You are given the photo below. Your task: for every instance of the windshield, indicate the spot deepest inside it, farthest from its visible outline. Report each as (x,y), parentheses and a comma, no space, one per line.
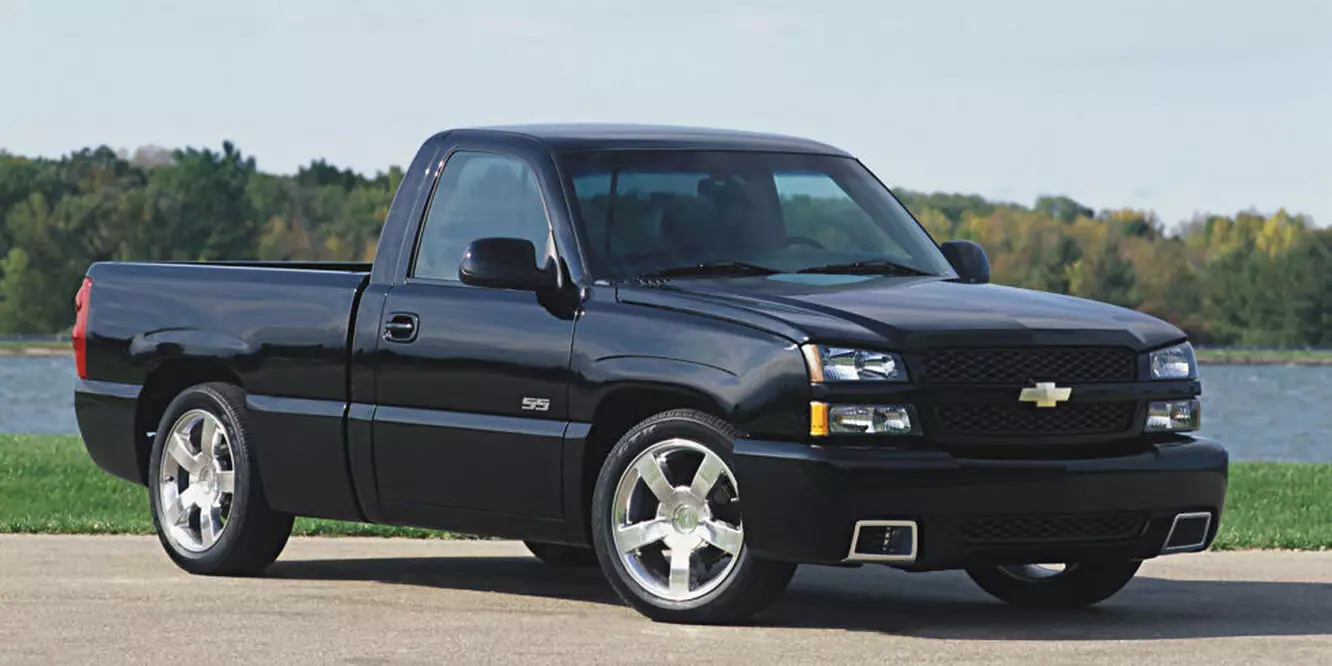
(654,211)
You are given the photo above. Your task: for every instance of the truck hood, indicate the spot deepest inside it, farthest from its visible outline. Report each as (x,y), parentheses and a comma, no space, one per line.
(906,313)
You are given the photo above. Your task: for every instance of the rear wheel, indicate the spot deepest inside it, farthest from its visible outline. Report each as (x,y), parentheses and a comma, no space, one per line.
(560,555)
(1073,585)
(207,499)
(667,524)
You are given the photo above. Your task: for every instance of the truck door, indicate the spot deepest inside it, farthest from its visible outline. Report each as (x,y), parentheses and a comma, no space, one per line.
(471,382)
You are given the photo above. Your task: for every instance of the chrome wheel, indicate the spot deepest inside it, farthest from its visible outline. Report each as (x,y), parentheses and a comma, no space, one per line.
(1037,572)
(196,481)
(676,520)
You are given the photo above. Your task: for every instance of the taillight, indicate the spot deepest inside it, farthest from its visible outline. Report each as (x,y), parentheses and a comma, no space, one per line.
(80,334)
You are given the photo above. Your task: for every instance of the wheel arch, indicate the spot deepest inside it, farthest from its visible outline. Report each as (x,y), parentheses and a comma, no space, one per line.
(162,384)
(619,410)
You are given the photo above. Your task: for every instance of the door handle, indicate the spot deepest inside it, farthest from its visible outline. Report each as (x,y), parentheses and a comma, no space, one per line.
(401,327)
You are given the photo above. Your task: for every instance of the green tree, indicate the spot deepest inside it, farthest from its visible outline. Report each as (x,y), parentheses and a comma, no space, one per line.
(1103,273)
(1061,208)
(202,209)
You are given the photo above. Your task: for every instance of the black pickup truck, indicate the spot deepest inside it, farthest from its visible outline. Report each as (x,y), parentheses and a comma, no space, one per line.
(695,357)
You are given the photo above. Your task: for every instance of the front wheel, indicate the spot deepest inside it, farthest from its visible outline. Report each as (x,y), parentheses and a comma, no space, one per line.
(667,524)
(1073,585)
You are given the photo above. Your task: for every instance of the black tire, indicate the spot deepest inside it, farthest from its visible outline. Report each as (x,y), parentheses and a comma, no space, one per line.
(560,555)
(751,583)
(1078,586)
(253,534)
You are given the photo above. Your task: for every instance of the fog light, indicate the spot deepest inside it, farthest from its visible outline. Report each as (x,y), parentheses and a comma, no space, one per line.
(1174,416)
(870,420)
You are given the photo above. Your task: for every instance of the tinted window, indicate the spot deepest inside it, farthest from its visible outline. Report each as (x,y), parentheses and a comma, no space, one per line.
(644,211)
(479,195)
(816,208)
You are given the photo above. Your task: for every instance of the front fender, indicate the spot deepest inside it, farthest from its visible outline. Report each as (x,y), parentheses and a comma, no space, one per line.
(717,386)
(755,379)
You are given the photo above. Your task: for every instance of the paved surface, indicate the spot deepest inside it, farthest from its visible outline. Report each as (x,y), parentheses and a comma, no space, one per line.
(119,599)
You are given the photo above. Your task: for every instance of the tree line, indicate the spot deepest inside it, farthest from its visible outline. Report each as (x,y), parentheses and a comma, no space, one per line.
(1249,278)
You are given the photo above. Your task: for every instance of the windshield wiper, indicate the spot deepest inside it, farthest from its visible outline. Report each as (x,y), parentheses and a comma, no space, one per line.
(868,267)
(718,268)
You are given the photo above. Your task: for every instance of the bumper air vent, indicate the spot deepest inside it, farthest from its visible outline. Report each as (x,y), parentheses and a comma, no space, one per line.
(1188,533)
(884,541)
(1019,419)
(1052,528)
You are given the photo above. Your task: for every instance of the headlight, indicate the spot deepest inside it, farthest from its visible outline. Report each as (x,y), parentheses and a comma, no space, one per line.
(840,364)
(1174,362)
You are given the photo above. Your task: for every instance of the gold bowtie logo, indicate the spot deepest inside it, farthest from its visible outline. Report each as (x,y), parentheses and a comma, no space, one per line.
(1045,394)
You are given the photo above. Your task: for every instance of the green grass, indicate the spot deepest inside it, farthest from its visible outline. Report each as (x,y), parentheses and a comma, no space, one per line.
(12,347)
(1265,356)
(48,485)
(1277,505)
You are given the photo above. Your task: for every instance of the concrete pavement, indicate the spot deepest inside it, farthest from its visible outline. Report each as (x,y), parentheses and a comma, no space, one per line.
(74,599)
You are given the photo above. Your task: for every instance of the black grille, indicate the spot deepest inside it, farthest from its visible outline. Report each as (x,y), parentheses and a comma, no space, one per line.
(1053,527)
(1020,366)
(1016,419)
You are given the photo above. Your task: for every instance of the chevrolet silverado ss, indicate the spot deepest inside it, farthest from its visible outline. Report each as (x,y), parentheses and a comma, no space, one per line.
(695,358)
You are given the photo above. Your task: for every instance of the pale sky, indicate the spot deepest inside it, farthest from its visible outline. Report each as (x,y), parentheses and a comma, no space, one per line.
(1179,106)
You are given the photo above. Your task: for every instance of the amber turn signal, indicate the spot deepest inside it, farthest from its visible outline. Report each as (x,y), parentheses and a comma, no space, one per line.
(818,419)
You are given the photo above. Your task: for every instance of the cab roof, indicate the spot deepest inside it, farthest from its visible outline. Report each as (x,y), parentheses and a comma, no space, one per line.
(595,136)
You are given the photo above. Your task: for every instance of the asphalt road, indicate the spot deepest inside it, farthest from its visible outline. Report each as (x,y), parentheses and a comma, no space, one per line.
(120,600)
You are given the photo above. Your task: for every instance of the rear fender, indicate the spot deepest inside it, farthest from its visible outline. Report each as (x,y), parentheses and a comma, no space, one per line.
(155,347)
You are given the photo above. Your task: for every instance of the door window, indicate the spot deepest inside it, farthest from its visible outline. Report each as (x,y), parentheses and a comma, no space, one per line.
(479,195)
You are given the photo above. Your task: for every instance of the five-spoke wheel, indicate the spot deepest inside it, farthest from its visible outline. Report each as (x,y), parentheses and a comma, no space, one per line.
(668,524)
(678,533)
(208,501)
(196,481)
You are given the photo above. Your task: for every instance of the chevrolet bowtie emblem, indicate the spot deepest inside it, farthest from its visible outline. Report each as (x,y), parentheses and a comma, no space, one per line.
(1045,394)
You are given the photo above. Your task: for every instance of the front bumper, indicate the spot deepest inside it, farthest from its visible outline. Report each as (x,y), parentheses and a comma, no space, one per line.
(802,502)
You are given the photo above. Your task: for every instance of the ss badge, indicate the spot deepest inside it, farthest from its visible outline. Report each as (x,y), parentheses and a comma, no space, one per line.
(536,404)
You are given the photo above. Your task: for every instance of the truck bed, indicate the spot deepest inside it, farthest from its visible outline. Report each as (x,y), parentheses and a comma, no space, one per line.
(278,329)
(278,326)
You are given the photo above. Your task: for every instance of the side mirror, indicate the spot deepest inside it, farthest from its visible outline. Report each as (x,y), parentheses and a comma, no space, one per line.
(506,263)
(968,259)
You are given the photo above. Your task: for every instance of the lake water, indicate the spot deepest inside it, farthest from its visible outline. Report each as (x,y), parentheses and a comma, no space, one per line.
(1276,413)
